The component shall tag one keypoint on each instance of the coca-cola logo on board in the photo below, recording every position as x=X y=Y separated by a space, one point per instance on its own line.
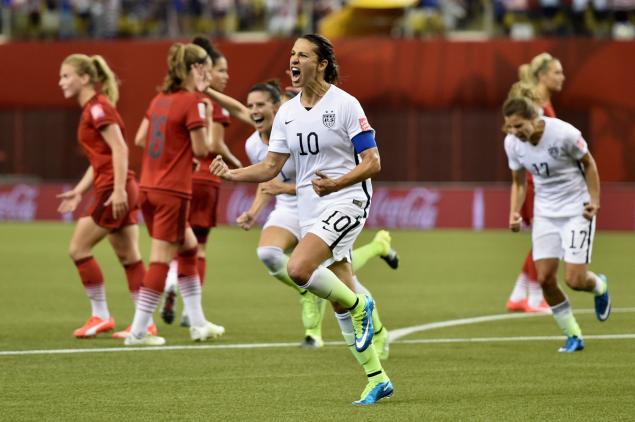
x=18 y=203
x=412 y=208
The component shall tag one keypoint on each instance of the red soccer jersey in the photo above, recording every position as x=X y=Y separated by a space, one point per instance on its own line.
x=167 y=157
x=98 y=113
x=548 y=110
x=219 y=115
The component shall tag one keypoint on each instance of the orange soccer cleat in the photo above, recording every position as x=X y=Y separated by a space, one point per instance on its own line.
x=516 y=306
x=94 y=326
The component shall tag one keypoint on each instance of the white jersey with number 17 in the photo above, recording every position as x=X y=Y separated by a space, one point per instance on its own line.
x=559 y=181
x=319 y=140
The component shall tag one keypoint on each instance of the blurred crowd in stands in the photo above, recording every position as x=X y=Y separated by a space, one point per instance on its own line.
x=521 y=19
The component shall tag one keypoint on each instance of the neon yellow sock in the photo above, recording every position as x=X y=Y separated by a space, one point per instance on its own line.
x=325 y=284
x=376 y=321
x=363 y=254
x=563 y=314
x=368 y=359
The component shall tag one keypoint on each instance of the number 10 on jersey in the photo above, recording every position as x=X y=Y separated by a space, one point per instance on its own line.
x=309 y=144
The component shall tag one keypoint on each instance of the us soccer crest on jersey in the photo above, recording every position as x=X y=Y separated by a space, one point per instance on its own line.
x=328 y=118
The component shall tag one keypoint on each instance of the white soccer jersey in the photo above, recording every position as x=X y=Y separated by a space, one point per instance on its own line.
x=319 y=139
x=559 y=181
x=256 y=151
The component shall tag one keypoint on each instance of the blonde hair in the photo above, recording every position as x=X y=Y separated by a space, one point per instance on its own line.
x=529 y=72
x=99 y=72
x=181 y=57
x=525 y=90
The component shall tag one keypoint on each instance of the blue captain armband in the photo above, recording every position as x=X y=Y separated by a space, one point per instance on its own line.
x=363 y=141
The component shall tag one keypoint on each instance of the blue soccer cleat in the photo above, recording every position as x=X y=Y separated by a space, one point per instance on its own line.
x=573 y=344
x=363 y=323
x=603 y=302
x=372 y=394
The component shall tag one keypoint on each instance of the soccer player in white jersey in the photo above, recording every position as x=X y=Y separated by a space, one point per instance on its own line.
x=567 y=200
x=326 y=134
x=281 y=232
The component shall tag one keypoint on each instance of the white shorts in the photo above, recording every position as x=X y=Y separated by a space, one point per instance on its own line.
x=338 y=225
x=568 y=238
x=285 y=219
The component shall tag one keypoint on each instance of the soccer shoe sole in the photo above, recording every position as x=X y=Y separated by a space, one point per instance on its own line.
x=144 y=341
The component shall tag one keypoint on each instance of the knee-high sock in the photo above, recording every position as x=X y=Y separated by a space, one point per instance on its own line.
x=190 y=287
x=520 y=288
x=325 y=284
x=149 y=297
x=600 y=285
x=201 y=265
x=563 y=314
x=135 y=273
x=171 y=277
x=363 y=254
x=368 y=358
x=276 y=260
x=93 y=281
x=360 y=289
x=529 y=267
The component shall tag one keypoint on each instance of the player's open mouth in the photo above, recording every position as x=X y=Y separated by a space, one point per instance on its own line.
x=258 y=120
x=295 y=74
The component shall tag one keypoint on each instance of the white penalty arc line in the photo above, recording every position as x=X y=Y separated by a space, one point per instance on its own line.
x=398 y=333
x=395 y=335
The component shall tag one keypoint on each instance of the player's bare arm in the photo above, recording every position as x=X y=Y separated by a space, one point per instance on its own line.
x=72 y=198
x=592 y=178
x=142 y=132
x=517 y=199
x=261 y=172
x=119 y=197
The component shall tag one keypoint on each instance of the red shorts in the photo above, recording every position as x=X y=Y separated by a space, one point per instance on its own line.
x=102 y=215
x=165 y=215
x=203 y=205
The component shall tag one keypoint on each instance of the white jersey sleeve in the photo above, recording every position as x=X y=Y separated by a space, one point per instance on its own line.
x=573 y=141
x=512 y=153
x=278 y=139
x=252 y=150
x=355 y=120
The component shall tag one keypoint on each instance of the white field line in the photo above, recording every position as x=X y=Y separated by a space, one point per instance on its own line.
x=395 y=335
x=402 y=332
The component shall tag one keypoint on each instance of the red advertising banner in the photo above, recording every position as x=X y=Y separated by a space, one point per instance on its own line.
x=394 y=206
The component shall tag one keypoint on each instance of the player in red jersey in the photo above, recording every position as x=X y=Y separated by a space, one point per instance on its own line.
x=205 y=186
x=175 y=129
x=114 y=208
x=539 y=79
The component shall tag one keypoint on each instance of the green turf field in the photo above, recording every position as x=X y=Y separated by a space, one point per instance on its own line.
x=485 y=371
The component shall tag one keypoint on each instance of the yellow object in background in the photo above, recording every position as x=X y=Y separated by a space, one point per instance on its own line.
x=382 y=4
